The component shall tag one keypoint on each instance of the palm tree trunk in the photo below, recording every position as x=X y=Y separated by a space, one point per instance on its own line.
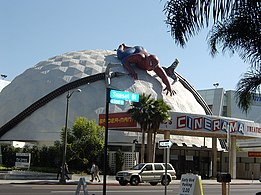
x=142 y=152
x=149 y=146
x=154 y=146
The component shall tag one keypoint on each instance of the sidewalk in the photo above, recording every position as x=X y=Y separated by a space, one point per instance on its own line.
x=110 y=180
x=52 y=180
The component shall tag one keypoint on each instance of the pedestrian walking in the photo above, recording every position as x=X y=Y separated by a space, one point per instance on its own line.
x=95 y=173
x=59 y=172
x=92 y=172
x=66 y=172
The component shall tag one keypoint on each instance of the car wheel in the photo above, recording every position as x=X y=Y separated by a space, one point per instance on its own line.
x=123 y=183
x=153 y=183
x=163 y=180
x=134 y=181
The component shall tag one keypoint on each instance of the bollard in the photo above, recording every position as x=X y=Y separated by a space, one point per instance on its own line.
x=224 y=188
x=224 y=178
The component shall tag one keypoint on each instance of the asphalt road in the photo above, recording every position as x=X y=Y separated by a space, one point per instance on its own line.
x=31 y=189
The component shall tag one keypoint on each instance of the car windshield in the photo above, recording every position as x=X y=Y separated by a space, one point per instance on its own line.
x=138 y=166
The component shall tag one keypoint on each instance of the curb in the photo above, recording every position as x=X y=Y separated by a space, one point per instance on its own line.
x=113 y=183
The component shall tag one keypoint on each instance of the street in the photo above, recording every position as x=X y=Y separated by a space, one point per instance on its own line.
x=31 y=189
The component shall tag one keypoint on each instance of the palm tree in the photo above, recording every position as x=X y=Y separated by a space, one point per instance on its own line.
x=247 y=87
x=141 y=112
x=236 y=26
x=160 y=115
x=149 y=113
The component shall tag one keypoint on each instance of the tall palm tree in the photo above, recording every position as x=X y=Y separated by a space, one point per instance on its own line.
x=141 y=112
x=149 y=113
x=236 y=26
x=160 y=115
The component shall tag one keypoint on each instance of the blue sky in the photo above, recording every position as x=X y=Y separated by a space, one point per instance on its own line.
x=32 y=31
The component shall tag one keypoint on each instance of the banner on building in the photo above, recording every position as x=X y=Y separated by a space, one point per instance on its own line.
x=118 y=120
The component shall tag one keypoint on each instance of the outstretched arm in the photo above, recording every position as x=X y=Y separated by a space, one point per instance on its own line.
x=161 y=73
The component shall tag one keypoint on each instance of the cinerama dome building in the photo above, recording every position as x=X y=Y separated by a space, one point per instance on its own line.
x=32 y=106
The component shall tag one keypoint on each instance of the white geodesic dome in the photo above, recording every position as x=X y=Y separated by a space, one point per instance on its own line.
x=44 y=124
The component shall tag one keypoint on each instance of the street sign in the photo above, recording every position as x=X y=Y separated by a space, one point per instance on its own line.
x=23 y=160
x=124 y=95
x=116 y=101
x=165 y=144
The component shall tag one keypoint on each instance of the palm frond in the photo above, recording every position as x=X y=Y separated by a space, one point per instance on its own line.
x=238 y=33
x=186 y=18
x=247 y=87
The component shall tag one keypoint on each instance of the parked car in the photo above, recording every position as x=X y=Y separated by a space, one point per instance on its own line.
x=152 y=173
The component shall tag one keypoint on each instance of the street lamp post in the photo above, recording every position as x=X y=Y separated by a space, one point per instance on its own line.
x=62 y=179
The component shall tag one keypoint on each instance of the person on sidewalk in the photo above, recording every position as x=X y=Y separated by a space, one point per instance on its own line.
x=97 y=173
x=92 y=172
x=66 y=172
x=59 y=172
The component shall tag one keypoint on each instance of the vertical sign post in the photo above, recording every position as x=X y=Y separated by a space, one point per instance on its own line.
x=166 y=168
x=116 y=97
x=106 y=138
x=166 y=145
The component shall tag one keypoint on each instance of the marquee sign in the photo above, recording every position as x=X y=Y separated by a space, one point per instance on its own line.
x=212 y=124
x=191 y=123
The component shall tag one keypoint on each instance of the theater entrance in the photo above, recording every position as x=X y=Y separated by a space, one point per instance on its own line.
x=194 y=160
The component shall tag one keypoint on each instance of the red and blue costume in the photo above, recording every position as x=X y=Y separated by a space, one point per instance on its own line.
x=140 y=57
